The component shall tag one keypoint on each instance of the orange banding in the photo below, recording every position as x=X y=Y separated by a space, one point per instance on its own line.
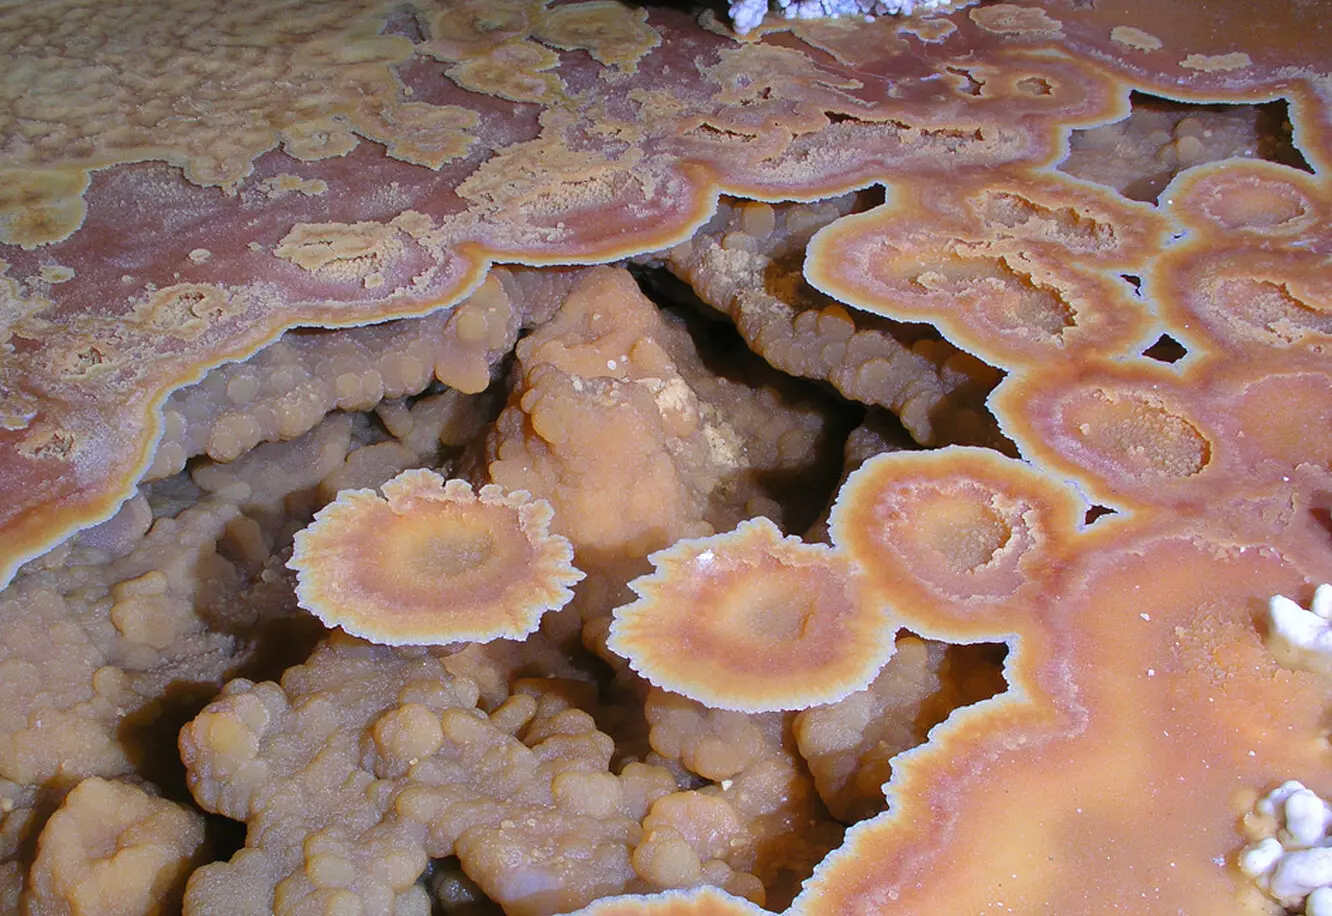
x=753 y=621
x=1255 y=198
x=1130 y=434
x=954 y=538
x=433 y=562
x=698 y=901
x=1014 y=270
x=1240 y=297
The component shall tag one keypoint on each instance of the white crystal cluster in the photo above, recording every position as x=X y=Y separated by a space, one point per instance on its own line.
x=746 y=14
x=1293 y=864
x=1300 y=638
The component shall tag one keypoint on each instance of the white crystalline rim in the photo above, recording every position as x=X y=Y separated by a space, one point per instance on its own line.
x=1302 y=638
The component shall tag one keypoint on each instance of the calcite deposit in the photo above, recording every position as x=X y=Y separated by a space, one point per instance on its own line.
x=515 y=456
x=432 y=562
x=750 y=620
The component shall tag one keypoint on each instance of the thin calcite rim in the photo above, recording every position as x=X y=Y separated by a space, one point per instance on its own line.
x=433 y=562
x=698 y=627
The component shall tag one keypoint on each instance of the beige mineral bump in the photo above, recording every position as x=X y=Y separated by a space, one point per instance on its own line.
x=115 y=849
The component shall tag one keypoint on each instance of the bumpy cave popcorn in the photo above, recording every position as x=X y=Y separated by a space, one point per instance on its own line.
x=506 y=456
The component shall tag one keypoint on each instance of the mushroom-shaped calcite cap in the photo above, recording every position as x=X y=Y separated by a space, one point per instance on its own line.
x=433 y=562
x=753 y=621
x=699 y=901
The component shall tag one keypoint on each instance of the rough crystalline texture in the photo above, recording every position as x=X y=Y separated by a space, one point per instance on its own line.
x=605 y=160
x=975 y=546
x=1014 y=269
x=746 y=262
x=1300 y=638
x=761 y=816
x=289 y=386
x=850 y=744
x=1086 y=242
x=1289 y=857
x=120 y=636
x=432 y=562
x=747 y=14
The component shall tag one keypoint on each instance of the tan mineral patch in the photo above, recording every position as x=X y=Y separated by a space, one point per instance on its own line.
x=518 y=71
x=1011 y=19
x=1217 y=63
x=1136 y=39
x=187 y=310
x=281 y=185
x=57 y=273
x=38 y=207
x=611 y=32
x=349 y=249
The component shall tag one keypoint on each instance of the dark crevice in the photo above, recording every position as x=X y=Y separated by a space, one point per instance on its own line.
x=1096 y=513
x=1036 y=86
x=1320 y=511
x=1140 y=154
x=1166 y=350
x=967 y=675
x=1275 y=127
x=452 y=893
x=170 y=496
x=839 y=117
x=967 y=81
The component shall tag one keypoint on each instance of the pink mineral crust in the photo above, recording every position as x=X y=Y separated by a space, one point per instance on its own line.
x=992 y=342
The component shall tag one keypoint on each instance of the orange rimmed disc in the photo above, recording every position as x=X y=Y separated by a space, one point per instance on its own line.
x=1253 y=198
x=698 y=901
x=1134 y=435
x=962 y=541
x=1011 y=274
x=753 y=621
x=1241 y=296
x=432 y=562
